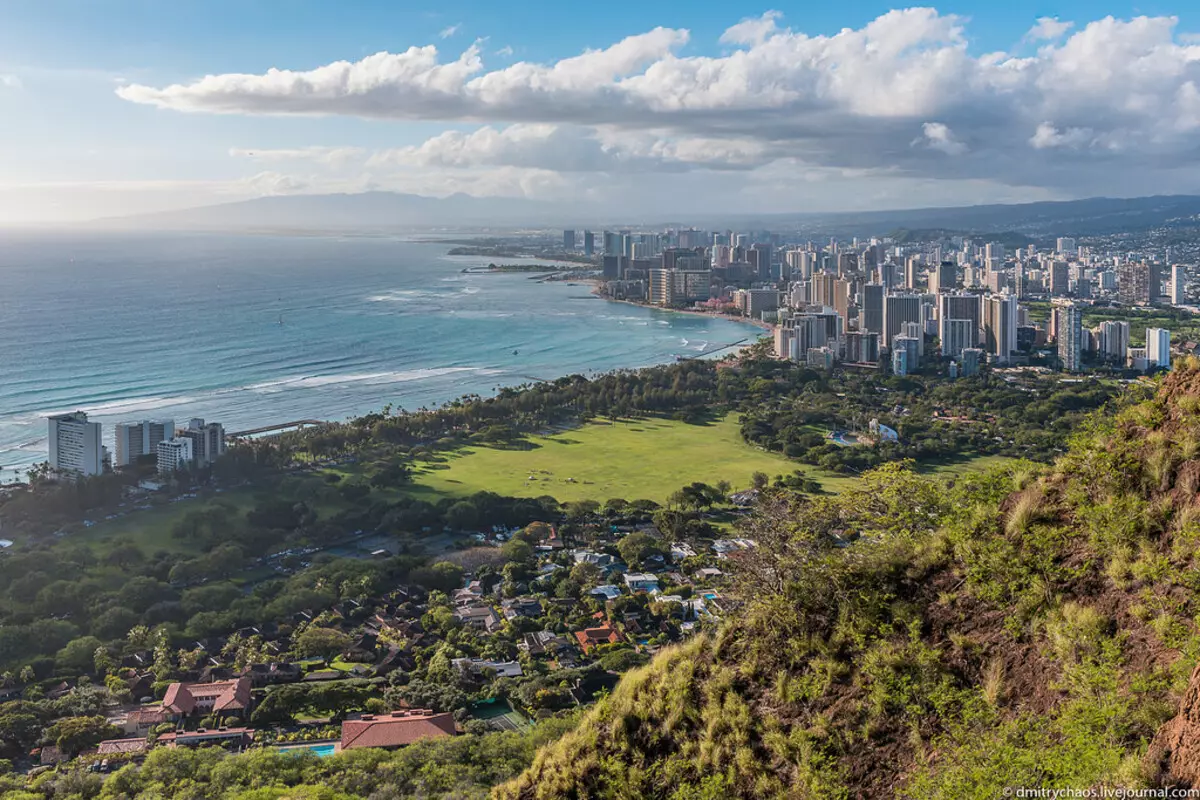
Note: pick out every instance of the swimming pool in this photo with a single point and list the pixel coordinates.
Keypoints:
(322, 750)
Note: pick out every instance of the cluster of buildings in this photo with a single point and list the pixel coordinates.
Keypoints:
(76, 444)
(878, 301)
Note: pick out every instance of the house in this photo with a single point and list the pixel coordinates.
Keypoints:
(478, 667)
(134, 747)
(363, 648)
(708, 573)
(681, 550)
(480, 617)
(395, 659)
(472, 592)
(541, 643)
(396, 729)
(141, 721)
(607, 591)
(602, 560)
(590, 638)
(521, 607)
(641, 582)
(223, 697)
(261, 675)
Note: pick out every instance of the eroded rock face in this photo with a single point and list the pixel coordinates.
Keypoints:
(1174, 756)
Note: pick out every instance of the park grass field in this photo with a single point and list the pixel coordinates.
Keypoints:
(646, 458)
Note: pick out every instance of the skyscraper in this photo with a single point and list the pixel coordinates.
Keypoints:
(959, 307)
(75, 444)
(1113, 341)
(174, 454)
(1000, 327)
(872, 308)
(898, 309)
(589, 243)
(957, 335)
(1133, 283)
(1060, 281)
(1069, 330)
(912, 272)
(569, 241)
(944, 278)
(135, 439)
(1158, 347)
(1178, 283)
(1066, 246)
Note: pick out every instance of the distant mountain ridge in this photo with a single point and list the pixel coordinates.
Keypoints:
(1096, 216)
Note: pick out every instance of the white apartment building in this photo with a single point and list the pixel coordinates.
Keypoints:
(75, 446)
(174, 454)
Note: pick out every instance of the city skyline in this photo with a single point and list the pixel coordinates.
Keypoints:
(703, 108)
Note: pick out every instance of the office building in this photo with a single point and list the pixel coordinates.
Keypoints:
(897, 310)
(137, 439)
(1000, 327)
(1068, 328)
(589, 243)
(569, 241)
(174, 455)
(1178, 285)
(208, 440)
(1158, 347)
(612, 243)
(74, 444)
(871, 314)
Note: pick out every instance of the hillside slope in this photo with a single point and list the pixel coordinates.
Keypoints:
(1032, 627)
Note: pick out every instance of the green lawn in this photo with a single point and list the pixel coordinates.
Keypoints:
(151, 529)
(649, 458)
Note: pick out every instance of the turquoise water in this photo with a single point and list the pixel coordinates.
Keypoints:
(321, 750)
(130, 327)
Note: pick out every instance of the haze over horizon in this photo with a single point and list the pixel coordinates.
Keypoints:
(705, 109)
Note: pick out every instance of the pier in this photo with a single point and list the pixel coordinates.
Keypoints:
(282, 426)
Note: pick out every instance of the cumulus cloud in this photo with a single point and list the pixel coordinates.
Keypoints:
(1048, 28)
(937, 136)
(901, 93)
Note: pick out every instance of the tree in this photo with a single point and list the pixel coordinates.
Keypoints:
(760, 480)
(321, 642)
(74, 734)
(517, 550)
(637, 547)
(79, 654)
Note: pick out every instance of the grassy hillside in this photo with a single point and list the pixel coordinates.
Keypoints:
(1030, 627)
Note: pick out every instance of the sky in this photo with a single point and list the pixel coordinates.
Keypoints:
(118, 107)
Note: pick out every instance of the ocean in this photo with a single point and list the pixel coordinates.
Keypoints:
(255, 330)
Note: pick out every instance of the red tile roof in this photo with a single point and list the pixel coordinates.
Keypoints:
(396, 729)
(183, 698)
(122, 746)
(590, 637)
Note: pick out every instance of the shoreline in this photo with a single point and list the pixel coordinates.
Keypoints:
(758, 323)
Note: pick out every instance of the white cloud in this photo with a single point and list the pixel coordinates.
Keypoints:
(327, 156)
(1048, 28)
(900, 93)
(505, 52)
(447, 32)
(937, 136)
